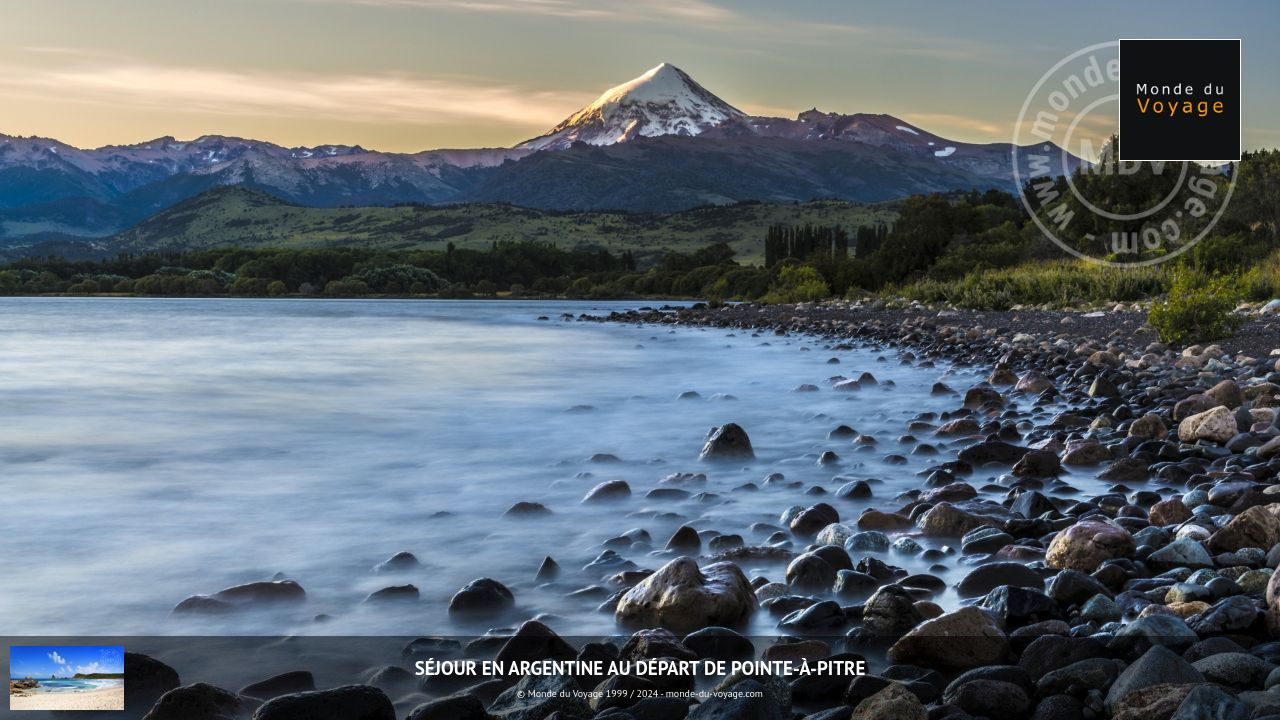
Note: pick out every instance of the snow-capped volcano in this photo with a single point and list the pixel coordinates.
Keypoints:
(663, 101)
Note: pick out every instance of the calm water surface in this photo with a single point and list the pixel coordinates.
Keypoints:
(156, 449)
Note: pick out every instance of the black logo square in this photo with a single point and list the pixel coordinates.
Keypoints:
(1180, 100)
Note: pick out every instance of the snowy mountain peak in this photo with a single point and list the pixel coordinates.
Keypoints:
(663, 101)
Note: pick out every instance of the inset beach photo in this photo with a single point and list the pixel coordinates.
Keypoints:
(66, 677)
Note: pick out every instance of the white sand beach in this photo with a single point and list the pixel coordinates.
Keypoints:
(108, 698)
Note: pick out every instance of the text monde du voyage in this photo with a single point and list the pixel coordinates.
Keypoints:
(1180, 99)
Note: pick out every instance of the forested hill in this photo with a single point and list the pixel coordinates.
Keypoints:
(248, 218)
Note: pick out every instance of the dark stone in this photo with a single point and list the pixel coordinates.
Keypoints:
(719, 643)
(482, 597)
(197, 702)
(147, 679)
(457, 707)
(283, 684)
(727, 442)
(1157, 666)
(985, 578)
(351, 702)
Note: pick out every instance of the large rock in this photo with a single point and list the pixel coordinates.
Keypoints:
(727, 442)
(457, 707)
(958, 640)
(484, 596)
(1085, 545)
(538, 696)
(1256, 527)
(683, 598)
(294, 681)
(1226, 393)
(894, 702)
(147, 679)
(890, 612)
(1216, 425)
(1157, 666)
(198, 701)
(247, 596)
(986, 578)
(351, 702)
(1148, 427)
(947, 520)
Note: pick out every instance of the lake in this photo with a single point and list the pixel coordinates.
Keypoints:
(154, 449)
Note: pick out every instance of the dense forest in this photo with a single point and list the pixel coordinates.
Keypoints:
(975, 249)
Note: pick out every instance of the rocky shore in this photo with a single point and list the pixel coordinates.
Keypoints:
(1113, 501)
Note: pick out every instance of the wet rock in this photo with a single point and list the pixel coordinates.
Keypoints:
(1100, 609)
(682, 597)
(1080, 677)
(992, 452)
(1150, 703)
(727, 442)
(484, 596)
(1038, 464)
(198, 701)
(295, 681)
(351, 702)
(1235, 669)
(247, 596)
(960, 426)
(719, 643)
(457, 707)
(1086, 544)
(539, 696)
(1148, 427)
(854, 585)
(148, 679)
(548, 570)
(879, 520)
(1017, 606)
(393, 593)
(1033, 383)
(810, 573)
(890, 612)
(1169, 512)
(947, 520)
(825, 615)
(400, 562)
(985, 578)
(1085, 452)
(1047, 653)
(812, 519)
(1228, 615)
(993, 699)
(535, 641)
(958, 640)
(834, 534)
(610, 490)
(1209, 702)
(867, 541)
(1181, 553)
(1072, 587)
(1255, 527)
(527, 509)
(1157, 666)
(685, 539)
(979, 395)
(894, 702)
(1217, 425)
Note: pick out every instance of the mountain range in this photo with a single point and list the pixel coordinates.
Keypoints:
(658, 143)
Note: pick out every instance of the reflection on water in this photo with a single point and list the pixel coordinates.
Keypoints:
(155, 449)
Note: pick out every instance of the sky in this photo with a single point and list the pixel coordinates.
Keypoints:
(410, 75)
(64, 661)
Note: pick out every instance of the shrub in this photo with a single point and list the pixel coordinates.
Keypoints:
(1197, 308)
(397, 278)
(798, 283)
(346, 287)
(277, 288)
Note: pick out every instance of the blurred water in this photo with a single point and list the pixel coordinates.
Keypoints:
(155, 449)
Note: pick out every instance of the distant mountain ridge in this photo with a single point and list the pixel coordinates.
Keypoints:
(661, 142)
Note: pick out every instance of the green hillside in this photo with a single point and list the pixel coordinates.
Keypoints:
(242, 217)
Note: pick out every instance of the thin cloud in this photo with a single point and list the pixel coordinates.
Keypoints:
(399, 98)
(621, 10)
(933, 121)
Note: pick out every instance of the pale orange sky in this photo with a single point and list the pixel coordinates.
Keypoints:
(408, 75)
